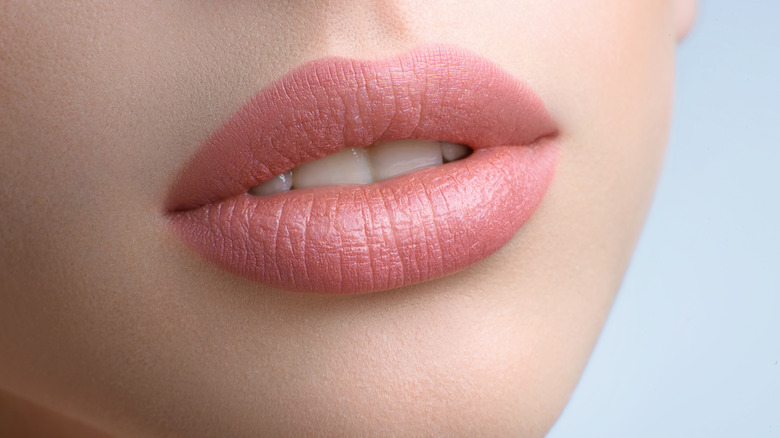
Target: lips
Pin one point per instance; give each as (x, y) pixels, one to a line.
(411, 228)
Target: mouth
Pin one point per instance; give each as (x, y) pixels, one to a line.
(351, 176)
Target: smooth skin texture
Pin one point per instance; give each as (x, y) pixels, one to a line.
(111, 326)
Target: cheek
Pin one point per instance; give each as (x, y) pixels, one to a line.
(609, 79)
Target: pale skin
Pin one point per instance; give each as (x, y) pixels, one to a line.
(110, 326)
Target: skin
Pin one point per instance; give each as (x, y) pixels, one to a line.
(111, 326)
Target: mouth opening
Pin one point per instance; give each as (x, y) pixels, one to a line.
(377, 162)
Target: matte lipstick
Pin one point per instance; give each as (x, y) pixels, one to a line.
(411, 228)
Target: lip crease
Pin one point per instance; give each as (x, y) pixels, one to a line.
(365, 238)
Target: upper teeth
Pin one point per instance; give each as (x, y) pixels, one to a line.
(364, 165)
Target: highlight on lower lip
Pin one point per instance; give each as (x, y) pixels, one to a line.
(404, 229)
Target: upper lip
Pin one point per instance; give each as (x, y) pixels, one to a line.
(433, 93)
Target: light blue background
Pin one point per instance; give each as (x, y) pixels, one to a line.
(692, 346)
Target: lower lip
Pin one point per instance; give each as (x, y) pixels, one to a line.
(365, 238)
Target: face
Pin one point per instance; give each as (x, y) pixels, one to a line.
(110, 317)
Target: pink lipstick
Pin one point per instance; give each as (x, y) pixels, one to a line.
(414, 227)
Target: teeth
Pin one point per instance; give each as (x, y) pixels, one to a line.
(348, 166)
(365, 165)
(397, 157)
(453, 151)
(279, 183)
